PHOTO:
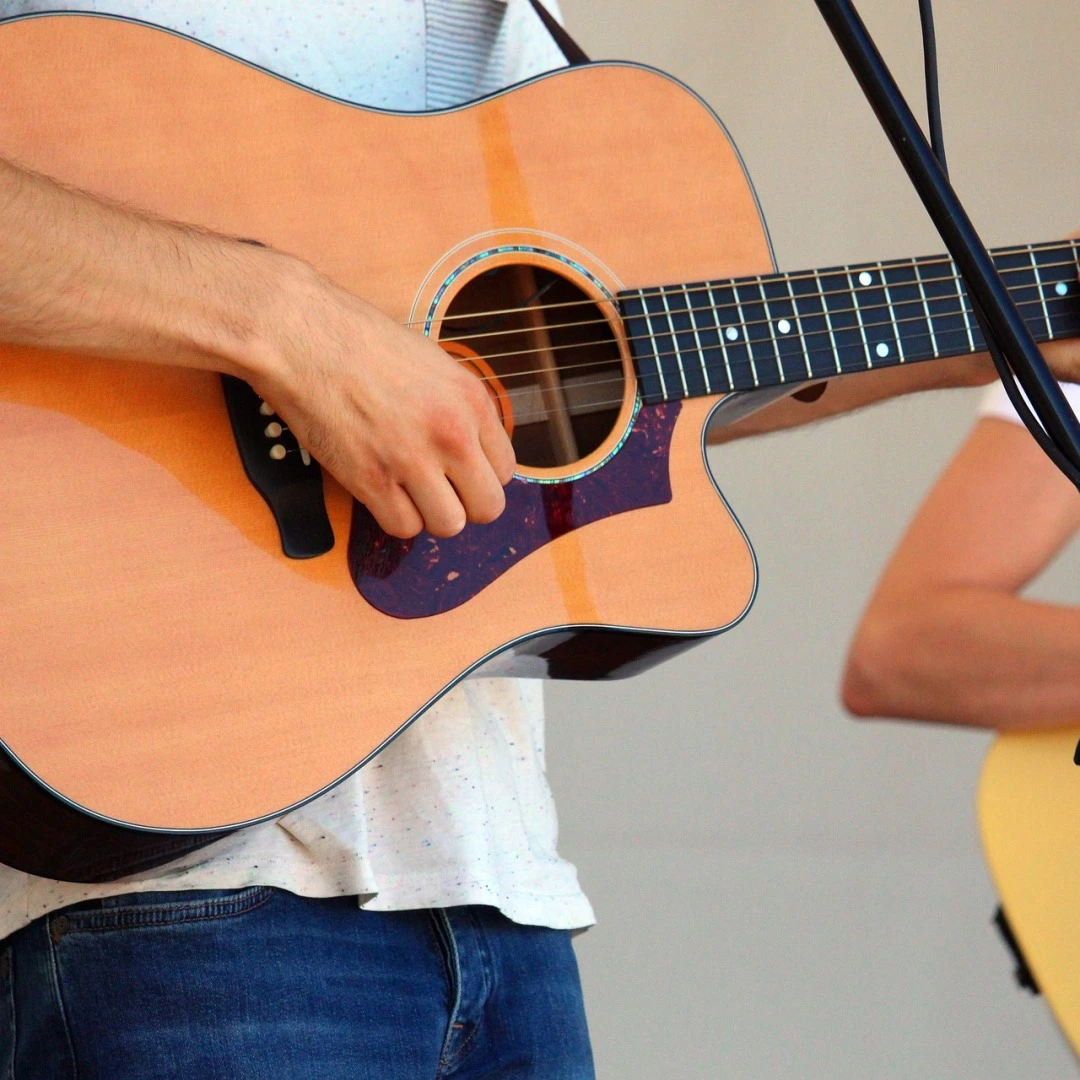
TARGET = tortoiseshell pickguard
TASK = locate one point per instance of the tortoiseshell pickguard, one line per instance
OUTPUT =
(426, 575)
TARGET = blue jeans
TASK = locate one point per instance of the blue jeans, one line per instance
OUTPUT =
(259, 984)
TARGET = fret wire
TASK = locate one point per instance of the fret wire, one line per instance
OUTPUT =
(1042, 290)
(963, 307)
(892, 313)
(700, 347)
(768, 321)
(675, 342)
(720, 336)
(644, 317)
(858, 316)
(652, 336)
(798, 326)
(829, 323)
(926, 309)
(746, 337)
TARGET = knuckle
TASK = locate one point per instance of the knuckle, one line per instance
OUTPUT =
(476, 396)
(452, 436)
(376, 478)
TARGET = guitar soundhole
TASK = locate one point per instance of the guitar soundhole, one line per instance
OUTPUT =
(548, 357)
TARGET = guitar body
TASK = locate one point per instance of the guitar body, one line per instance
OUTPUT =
(1029, 817)
(165, 666)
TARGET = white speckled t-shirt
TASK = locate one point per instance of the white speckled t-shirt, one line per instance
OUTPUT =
(457, 810)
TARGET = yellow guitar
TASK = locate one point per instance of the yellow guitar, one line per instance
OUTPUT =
(1029, 818)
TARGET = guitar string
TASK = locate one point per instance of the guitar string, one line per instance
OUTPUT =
(733, 284)
(620, 379)
(805, 275)
(536, 416)
(747, 342)
(744, 340)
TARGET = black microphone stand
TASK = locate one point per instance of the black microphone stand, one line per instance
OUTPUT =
(1008, 339)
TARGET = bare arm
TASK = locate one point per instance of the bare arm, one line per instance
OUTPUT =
(385, 410)
(866, 388)
(945, 637)
(856, 391)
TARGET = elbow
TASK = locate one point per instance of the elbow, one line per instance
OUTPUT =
(874, 670)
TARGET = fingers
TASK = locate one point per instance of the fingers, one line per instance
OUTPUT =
(443, 498)
(439, 505)
(396, 513)
(479, 488)
(497, 448)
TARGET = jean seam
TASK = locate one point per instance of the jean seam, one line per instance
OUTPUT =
(485, 968)
(446, 934)
(54, 973)
(105, 920)
(9, 1065)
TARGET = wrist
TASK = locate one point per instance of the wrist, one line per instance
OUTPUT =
(249, 326)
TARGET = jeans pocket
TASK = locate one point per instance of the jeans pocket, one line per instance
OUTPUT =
(132, 911)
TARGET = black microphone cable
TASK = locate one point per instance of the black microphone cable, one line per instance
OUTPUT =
(1062, 453)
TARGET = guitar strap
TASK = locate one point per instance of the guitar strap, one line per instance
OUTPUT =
(573, 52)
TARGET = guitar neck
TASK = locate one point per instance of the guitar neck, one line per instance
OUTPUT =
(713, 337)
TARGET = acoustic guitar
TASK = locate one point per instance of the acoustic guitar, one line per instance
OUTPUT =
(200, 629)
(1029, 818)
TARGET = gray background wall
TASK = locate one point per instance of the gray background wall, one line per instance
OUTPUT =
(784, 892)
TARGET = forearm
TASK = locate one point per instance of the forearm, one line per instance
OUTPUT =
(968, 656)
(404, 428)
(851, 392)
(83, 276)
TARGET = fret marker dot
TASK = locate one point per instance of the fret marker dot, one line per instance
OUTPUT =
(731, 334)
(783, 326)
(865, 278)
(1061, 288)
(882, 349)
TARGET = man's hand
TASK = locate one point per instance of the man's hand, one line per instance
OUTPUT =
(400, 424)
(384, 409)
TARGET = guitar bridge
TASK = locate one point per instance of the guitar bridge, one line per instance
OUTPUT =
(281, 471)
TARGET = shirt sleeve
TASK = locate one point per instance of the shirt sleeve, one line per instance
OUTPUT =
(995, 402)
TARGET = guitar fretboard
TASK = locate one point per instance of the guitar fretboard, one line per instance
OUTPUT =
(713, 337)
